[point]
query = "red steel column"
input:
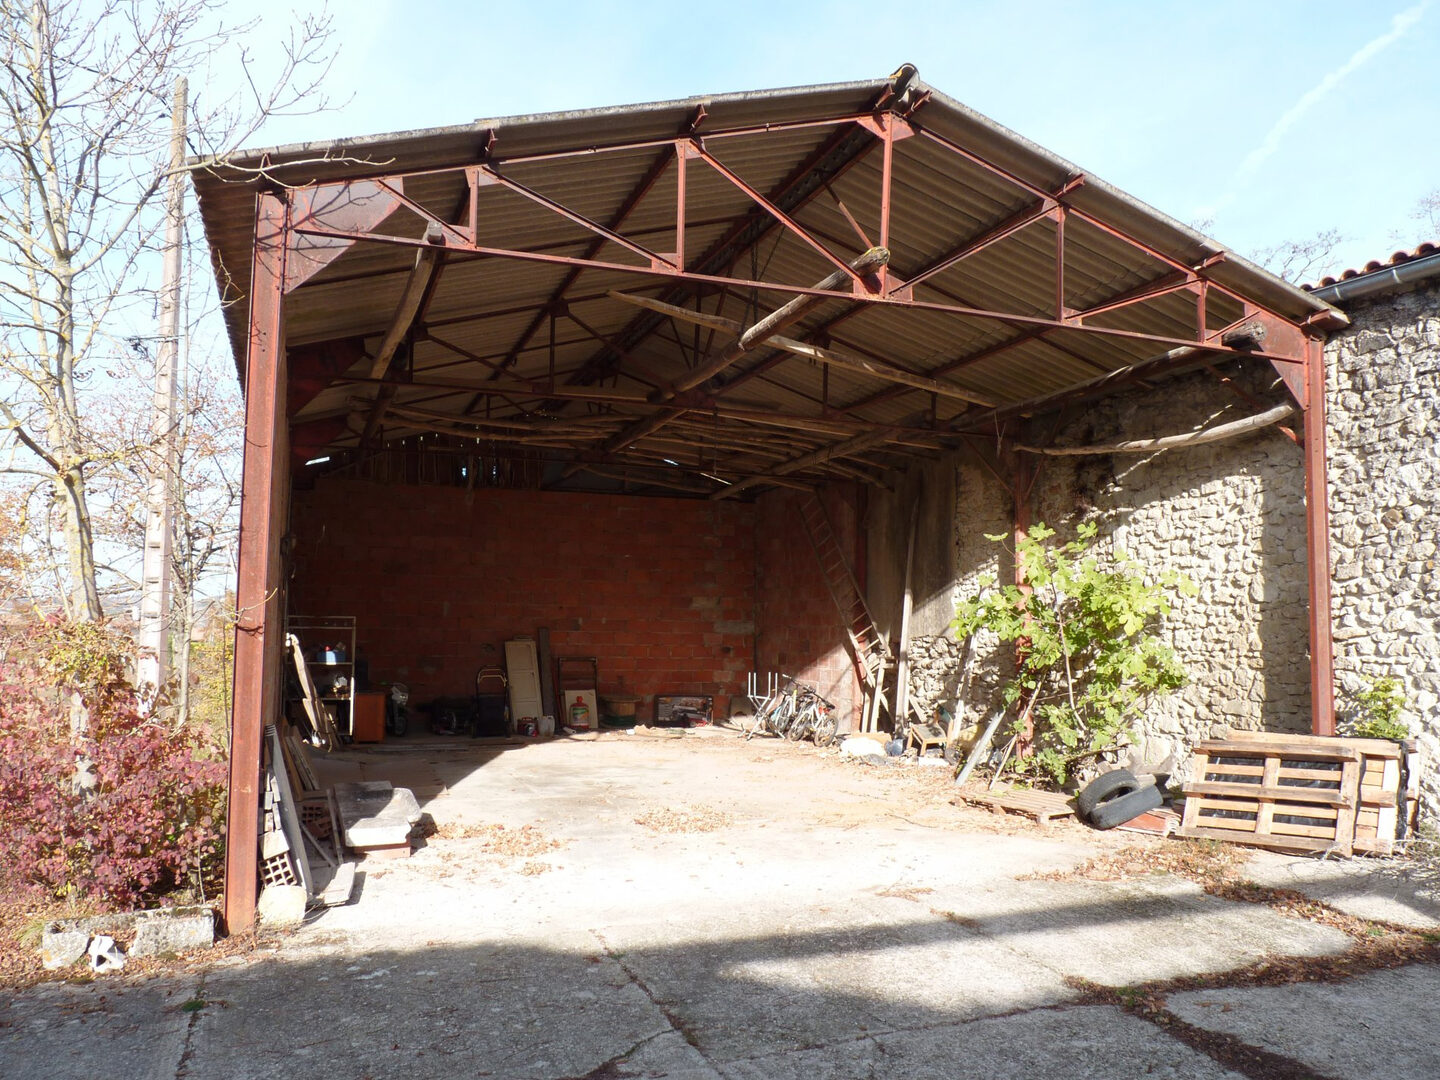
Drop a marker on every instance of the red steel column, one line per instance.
(1317, 527)
(255, 595)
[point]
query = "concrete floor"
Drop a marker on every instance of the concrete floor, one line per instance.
(842, 921)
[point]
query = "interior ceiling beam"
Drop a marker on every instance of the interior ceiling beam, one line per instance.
(864, 264)
(849, 447)
(844, 149)
(879, 369)
(615, 221)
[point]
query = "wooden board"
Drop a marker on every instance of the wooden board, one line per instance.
(1378, 748)
(289, 810)
(1043, 806)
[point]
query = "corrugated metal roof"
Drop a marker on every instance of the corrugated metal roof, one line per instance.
(482, 309)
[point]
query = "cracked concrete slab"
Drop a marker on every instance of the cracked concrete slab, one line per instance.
(834, 921)
(1385, 890)
(1382, 1024)
(1091, 1043)
(1127, 932)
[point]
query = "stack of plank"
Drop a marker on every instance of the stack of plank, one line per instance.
(299, 819)
(1301, 793)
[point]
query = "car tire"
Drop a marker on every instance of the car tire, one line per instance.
(1105, 786)
(1124, 807)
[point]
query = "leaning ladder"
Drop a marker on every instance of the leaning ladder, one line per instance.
(869, 650)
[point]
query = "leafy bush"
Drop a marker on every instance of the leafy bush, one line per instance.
(100, 802)
(1378, 709)
(1084, 627)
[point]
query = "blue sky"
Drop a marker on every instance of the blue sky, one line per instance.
(1270, 119)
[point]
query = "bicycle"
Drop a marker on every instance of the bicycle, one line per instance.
(797, 712)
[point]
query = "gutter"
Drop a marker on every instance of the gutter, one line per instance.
(1389, 278)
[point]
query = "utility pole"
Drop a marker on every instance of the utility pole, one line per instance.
(152, 665)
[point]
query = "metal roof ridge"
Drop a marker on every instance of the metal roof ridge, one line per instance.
(354, 142)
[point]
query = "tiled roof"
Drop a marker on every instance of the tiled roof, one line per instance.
(1374, 265)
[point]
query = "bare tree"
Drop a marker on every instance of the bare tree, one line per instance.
(206, 443)
(1427, 212)
(84, 91)
(1301, 260)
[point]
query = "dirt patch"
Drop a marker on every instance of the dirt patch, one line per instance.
(531, 869)
(524, 842)
(683, 819)
(1208, 863)
(906, 892)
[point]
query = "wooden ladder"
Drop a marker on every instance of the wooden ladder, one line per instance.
(869, 650)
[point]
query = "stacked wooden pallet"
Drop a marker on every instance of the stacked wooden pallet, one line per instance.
(1301, 793)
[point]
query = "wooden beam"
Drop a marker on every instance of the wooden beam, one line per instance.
(427, 261)
(1172, 442)
(868, 262)
(824, 454)
(833, 357)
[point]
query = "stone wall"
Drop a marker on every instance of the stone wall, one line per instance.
(1228, 515)
(1384, 399)
(960, 502)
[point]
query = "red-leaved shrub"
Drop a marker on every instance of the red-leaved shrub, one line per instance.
(122, 811)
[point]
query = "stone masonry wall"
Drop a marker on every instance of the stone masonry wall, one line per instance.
(939, 672)
(1229, 515)
(1384, 400)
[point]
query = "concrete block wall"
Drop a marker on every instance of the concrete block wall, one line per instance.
(661, 591)
(1383, 377)
(799, 629)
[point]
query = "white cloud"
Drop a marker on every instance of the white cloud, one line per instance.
(1400, 25)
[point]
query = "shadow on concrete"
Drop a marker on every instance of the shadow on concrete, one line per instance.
(927, 999)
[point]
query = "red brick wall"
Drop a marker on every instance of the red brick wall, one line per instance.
(797, 625)
(662, 591)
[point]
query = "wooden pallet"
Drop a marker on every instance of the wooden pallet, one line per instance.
(1043, 806)
(1377, 819)
(1278, 792)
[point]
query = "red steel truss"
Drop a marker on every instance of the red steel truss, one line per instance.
(302, 230)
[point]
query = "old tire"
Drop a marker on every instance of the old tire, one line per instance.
(1105, 786)
(1122, 808)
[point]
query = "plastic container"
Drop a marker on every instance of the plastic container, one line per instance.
(579, 714)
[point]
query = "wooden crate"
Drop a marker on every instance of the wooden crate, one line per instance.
(1276, 792)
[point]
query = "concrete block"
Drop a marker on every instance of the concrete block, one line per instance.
(281, 905)
(173, 930)
(61, 946)
(375, 814)
(862, 746)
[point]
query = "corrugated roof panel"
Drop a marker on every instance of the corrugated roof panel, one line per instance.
(496, 309)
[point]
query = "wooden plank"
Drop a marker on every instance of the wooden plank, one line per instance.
(1381, 748)
(1291, 751)
(1345, 823)
(1319, 796)
(1043, 806)
(1265, 813)
(1192, 806)
(1273, 843)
